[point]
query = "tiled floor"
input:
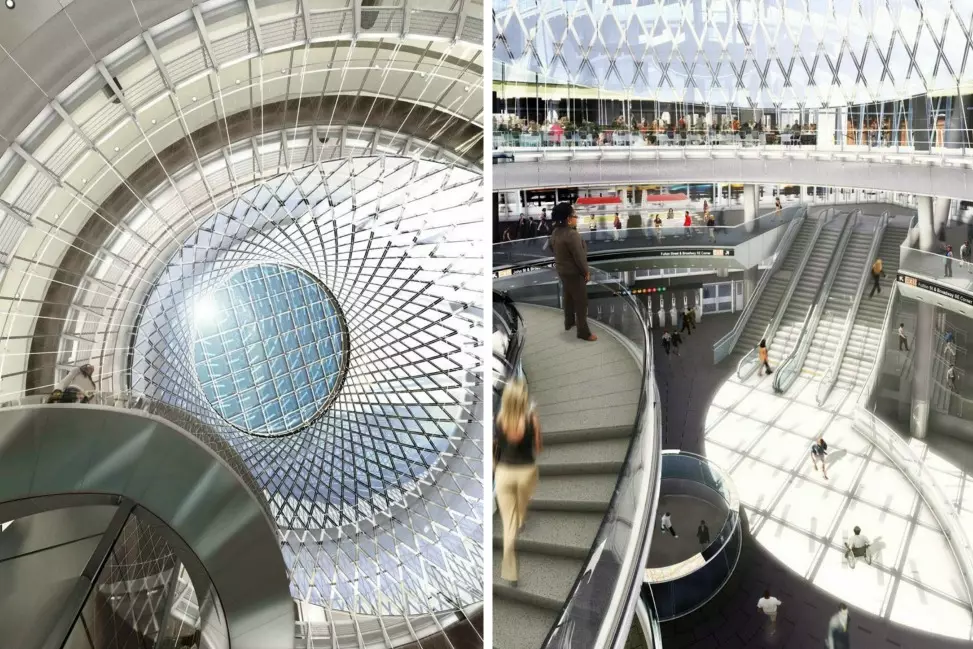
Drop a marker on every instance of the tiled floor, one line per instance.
(796, 521)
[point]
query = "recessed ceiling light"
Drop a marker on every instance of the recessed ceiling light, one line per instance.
(238, 82)
(153, 121)
(10, 4)
(422, 74)
(116, 149)
(283, 70)
(467, 88)
(84, 181)
(194, 97)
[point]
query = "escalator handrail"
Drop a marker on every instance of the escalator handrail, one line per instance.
(831, 376)
(748, 365)
(784, 379)
(724, 346)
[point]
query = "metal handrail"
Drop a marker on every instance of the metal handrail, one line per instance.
(724, 346)
(831, 376)
(749, 363)
(785, 377)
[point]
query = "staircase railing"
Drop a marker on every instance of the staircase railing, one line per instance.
(724, 346)
(751, 360)
(831, 376)
(790, 368)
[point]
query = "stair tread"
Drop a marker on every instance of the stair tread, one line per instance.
(523, 626)
(542, 579)
(571, 532)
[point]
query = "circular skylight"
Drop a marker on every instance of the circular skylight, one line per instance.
(270, 349)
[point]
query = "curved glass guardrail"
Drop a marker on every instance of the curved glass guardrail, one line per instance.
(602, 601)
(790, 368)
(724, 346)
(536, 251)
(831, 376)
(679, 590)
(904, 458)
(951, 272)
(173, 414)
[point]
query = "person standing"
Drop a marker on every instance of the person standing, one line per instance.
(617, 224)
(948, 261)
(666, 341)
(702, 534)
(658, 227)
(676, 341)
(951, 377)
(711, 226)
(818, 450)
(877, 273)
(965, 255)
(769, 605)
(903, 341)
(670, 215)
(686, 322)
(838, 636)
(593, 227)
(571, 262)
(518, 440)
(692, 317)
(777, 206)
(687, 224)
(667, 525)
(762, 353)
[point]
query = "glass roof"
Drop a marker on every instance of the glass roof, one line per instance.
(387, 477)
(270, 348)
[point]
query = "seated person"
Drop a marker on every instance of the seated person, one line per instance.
(857, 547)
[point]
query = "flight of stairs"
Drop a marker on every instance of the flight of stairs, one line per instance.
(789, 332)
(831, 327)
(766, 307)
(862, 351)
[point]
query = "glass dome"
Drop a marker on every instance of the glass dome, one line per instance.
(271, 349)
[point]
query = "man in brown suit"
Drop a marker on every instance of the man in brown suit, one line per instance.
(571, 260)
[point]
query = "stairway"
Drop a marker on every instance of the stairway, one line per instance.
(831, 327)
(789, 332)
(766, 307)
(586, 395)
(862, 352)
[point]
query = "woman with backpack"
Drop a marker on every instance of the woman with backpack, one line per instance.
(818, 450)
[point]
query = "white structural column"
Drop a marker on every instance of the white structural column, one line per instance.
(751, 195)
(924, 333)
(940, 215)
(514, 207)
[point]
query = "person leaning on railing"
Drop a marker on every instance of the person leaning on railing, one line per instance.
(78, 385)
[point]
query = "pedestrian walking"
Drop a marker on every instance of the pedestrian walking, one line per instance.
(571, 262)
(702, 534)
(711, 226)
(838, 636)
(762, 353)
(687, 224)
(948, 261)
(769, 605)
(676, 341)
(818, 450)
(777, 206)
(593, 228)
(518, 441)
(686, 322)
(667, 525)
(965, 255)
(658, 227)
(667, 341)
(903, 341)
(617, 225)
(858, 547)
(877, 274)
(692, 317)
(951, 377)
(670, 215)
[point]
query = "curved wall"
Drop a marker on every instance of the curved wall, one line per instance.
(55, 449)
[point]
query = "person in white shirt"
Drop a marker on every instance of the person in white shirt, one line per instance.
(903, 341)
(858, 546)
(667, 525)
(80, 381)
(951, 377)
(838, 636)
(769, 605)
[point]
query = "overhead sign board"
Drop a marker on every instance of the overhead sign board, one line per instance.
(939, 289)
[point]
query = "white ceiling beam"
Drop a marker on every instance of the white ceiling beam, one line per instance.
(204, 34)
(159, 63)
(100, 65)
(14, 212)
(406, 17)
(460, 20)
(306, 14)
(252, 11)
(355, 18)
(341, 141)
(35, 163)
(256, 156)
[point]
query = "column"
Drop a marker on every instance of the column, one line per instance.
(940, 216)
(514, 206)
(751, 195)
(750, 278)
(924, 333)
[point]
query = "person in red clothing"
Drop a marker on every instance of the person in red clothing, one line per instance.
(687, 223)
(557, 132)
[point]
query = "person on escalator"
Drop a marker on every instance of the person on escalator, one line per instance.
(762, 352)
(518, 439)
(571, 262)
(877, 274)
